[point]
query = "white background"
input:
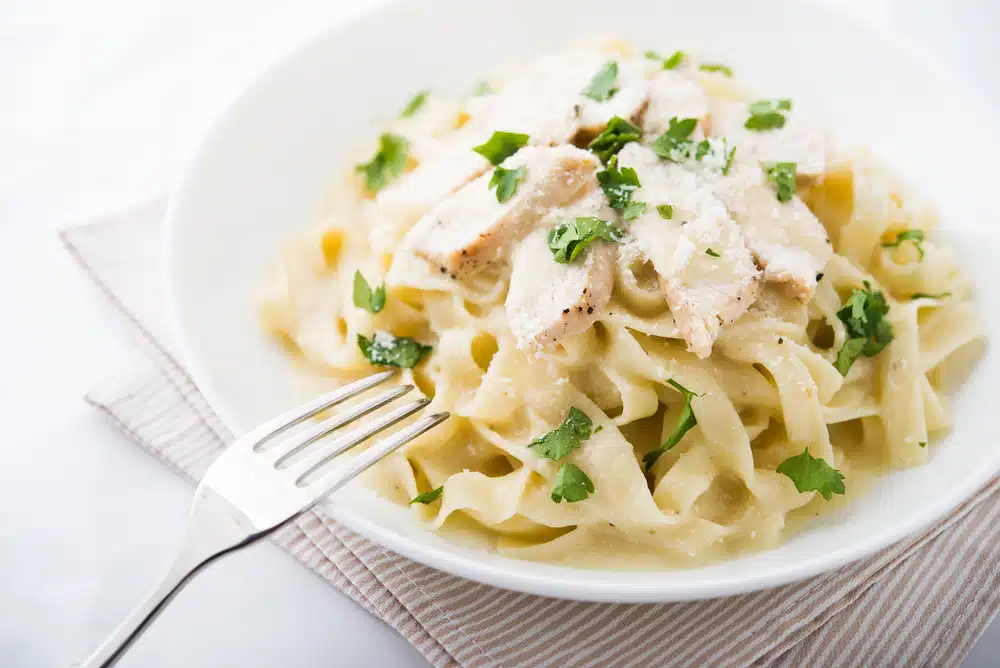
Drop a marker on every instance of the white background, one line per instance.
(100, 104)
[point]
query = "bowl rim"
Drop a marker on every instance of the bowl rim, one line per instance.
(565, 582)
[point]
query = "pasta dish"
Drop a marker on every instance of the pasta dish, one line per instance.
(672, 321)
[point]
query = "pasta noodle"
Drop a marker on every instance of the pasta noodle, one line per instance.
(771, 388)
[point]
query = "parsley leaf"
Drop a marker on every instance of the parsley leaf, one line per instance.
(715, 153)
(387, 164)
(782, 176)
(366, 298)
(568, 240)
(602, 87)
(849, 352)
(770, 120)
(764, 106)
(482, 88)
(413, 106)
(930, 295)
(729, 161)
(618, 133)
(709, 251)
(618, 184)
(914, 235)
(717, 67)
(812, 474)
(388, 350)
(572, 484)
(565, 438)
(766, 114)
(666, 211)
(868, 330)
(506, 180)
(671, 63)
(427, 497)
(501, 145)
(686, 422)
(634, 210)
(674, 145)
(922, 444)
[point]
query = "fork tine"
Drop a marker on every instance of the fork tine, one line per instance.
(265, 432)
(319, 456)
(334, 480)
(294, 444)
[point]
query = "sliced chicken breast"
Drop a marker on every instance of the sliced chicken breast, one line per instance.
(548, 300)
(787, 240)
(471, 229)
(546, 100)
(706, 271)
(674, 94)
(798, 141)
(404, 202)
(628, 100)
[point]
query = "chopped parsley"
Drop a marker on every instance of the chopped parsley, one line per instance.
(618, 184)
(568, 240)
(729, 160)
(715, 153)
(366, 298)
(686, 422)
(709, 251)
(922, 444)
(506, 180)
(666, 211)
(766, 114)
(670, 63)
(781, 175)
(634, 210)
(599, 429)
(565, 438)
(414, 105)
(717, 67)
(482, 88)
(387, 164)
(602, 87)
(618, 133)
(914, 235)
(572, 484)
(812, 474)
(868, 330)
(428, 497)
(674, 145)
(930, 295)
(501, 145)
(387, 350)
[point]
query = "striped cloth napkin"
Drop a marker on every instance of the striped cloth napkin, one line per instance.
(924, 601)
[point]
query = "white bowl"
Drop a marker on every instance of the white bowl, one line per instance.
(263, 169)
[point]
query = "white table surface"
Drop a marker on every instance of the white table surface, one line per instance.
(98, 108)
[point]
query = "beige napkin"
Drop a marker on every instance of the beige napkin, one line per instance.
(924, 601)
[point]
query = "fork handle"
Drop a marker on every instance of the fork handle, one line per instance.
(214, 528)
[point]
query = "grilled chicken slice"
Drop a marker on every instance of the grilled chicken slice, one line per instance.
(798, 141)
(404, 202)
(787, 240)
(673, 94)
(471, 229)
(706, 271)
(630, 96)
(547, 300)
(546, 100)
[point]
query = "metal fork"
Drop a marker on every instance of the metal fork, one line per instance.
(251, 491)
